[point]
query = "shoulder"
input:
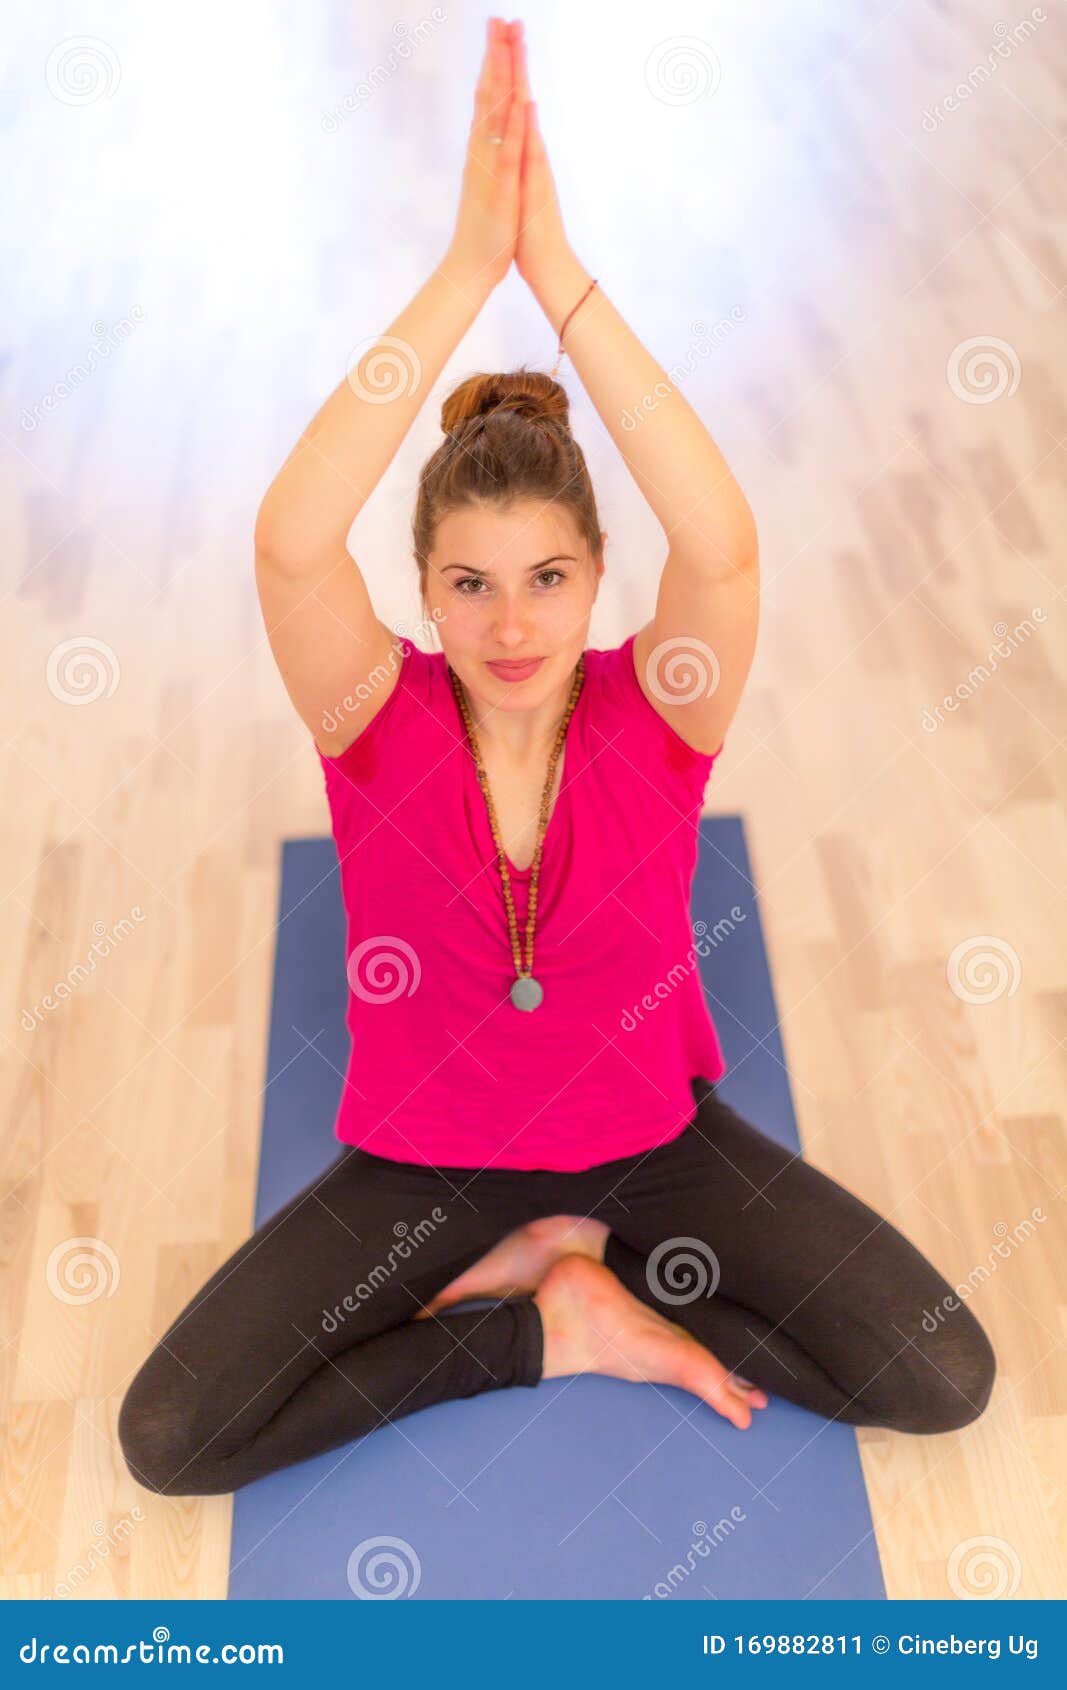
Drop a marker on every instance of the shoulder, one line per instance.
(394, 700)
(623, 682)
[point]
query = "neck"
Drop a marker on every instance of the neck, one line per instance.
(519, 736)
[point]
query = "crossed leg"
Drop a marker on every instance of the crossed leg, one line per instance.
(591, 1322)
(303, 1340)
(792, 1281)
(311, 1334)
(782, 1276)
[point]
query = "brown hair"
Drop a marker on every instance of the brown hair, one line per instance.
(508, 437)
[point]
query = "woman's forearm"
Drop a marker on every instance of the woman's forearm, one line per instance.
(670, 453)
(343, 453)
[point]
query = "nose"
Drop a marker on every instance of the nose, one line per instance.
(511, 630)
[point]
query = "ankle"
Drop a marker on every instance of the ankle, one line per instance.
(562, 1299)
(572, 1235)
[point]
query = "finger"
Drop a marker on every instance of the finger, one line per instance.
(533, 162)
(728, 1402)
(505, 170)
(537, 142)
(740, 1383)
(716, 1384)
(743, 1396)
(520, 73)
(751, 1393)
(493, 93)
(537, 183)
(741, 1412)
(503, 85)
(538, 169)
(485, 74)
(732, 1408)
(510, 152)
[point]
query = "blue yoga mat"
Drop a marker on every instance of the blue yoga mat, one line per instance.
(585, 1488)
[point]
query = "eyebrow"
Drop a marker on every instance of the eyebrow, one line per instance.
(472, 568)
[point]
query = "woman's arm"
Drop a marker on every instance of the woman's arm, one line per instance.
(329, 645)
(347, 447)
(671, 455)
(334, 467)
(707, 609)
(692, 660)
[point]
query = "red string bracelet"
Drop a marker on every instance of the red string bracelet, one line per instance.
(566, 320)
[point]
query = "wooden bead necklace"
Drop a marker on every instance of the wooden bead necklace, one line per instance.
(526, 992)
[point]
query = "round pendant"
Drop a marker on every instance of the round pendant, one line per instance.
(525, 992)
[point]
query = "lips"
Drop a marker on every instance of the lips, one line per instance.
(516, 671)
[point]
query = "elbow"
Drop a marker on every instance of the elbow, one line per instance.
(272, 547)
(746, 553)
(265, 536)
(742, 557)
(735, 549)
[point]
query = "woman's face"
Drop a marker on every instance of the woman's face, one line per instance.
(507, 585)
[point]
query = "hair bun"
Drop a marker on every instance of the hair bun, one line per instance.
(507, 439)
(527, 393)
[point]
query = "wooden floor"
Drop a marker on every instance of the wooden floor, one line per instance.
(860, 288)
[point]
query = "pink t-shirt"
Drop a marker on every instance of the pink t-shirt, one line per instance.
(443, 1069)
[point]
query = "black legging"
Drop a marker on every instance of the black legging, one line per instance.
(304, 1339)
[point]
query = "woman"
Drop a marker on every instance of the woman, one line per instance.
(529, 1114)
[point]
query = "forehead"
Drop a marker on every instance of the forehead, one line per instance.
(509, 537)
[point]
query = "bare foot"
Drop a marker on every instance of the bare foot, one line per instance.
(519, 1262)
(593, 1324)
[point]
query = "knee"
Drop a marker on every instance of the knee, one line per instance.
(971, 1379)
(948, 1386)
(157, 1448)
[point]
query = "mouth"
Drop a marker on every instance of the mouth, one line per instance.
(512, 671)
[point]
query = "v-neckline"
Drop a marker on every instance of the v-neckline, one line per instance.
(525, 873)
(566, 755)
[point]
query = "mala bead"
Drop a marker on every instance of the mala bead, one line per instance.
(526, 992)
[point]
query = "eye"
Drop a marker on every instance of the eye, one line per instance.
(466, 582)
(558, 572)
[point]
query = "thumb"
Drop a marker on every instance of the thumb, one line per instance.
(533, 151)
(512, 148)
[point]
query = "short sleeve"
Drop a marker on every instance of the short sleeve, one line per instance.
(642, 734)
(358, 762)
